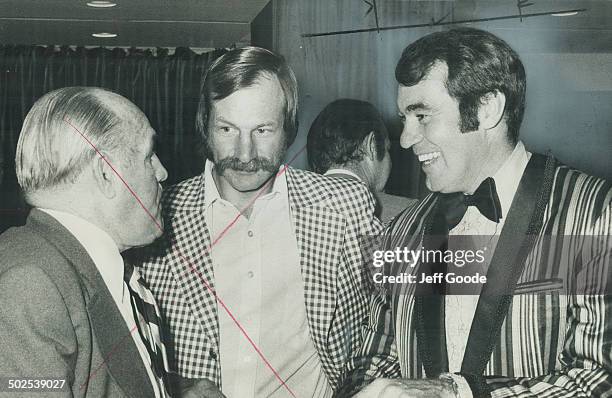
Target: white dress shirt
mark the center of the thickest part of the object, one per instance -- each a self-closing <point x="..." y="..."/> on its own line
<point x="107" y="259"/>
<point x="256" y="265"/>
<point x="460" y="309"/>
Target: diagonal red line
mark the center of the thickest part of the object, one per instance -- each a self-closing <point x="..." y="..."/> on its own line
<point x="91" y="376"/>
<point x="259" y="193"/>
<point x="117" y="174"/>
<point x="192" y="267"/>
<point x="214" y="293"/>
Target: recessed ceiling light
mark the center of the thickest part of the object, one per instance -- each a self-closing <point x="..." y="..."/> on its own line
<point x="104" y="35"/>
<point x="101" y="4"/>
<point x="565" y="14"/>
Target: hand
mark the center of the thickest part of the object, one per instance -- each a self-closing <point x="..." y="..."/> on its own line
<point x="202" y="389"/>
<point x="407" y="388"/>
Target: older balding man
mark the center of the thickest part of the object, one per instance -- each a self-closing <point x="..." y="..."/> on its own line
<point x="70" y="322"/>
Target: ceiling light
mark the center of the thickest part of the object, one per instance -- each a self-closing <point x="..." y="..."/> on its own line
<point x="101" y="4"/>
<point x="104" y="35"/>
<point x="565" y="14"/>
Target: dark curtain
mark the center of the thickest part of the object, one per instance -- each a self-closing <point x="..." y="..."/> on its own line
<point x="165" y="87"/>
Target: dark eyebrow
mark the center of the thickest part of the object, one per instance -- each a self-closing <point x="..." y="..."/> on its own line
<point x="271" y="123"/>
<point x="417" y="107"/>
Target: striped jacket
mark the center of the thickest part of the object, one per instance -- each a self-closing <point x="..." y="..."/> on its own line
<point x="548" y="335"/>
<point x="329" y="216"/>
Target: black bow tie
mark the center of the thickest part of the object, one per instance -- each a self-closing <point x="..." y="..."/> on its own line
<point x="485" y="199"/>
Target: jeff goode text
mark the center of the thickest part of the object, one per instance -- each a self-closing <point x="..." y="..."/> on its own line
<point x="434" y="278"/>
<point x="409" y="258"/>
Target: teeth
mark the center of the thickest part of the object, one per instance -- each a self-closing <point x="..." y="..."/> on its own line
<point x="428" y="157"/>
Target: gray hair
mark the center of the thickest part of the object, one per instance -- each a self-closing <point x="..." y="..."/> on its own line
<point x="62" y="129"/>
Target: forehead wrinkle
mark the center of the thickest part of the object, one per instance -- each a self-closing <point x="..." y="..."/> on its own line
<point x="221" y="119"/>
<point x="417" y="100"/>
<point x="413" y="105"/>
<point x="233" y="113"/>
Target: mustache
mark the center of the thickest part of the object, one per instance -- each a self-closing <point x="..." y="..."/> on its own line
<point x="255" y="164"/>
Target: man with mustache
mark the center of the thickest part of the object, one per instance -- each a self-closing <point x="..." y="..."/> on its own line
<point x="260" y="275"/>
<point x="540" y="325"/>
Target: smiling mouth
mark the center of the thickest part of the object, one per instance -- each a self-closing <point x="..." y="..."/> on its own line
<point x="428" y="158"/>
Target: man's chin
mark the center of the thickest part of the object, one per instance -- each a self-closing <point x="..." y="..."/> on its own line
<point x="243" y="181"/>
<point x="249" y="188"/>
<point x="433" y="184"/>
<point x="146" y="240"/>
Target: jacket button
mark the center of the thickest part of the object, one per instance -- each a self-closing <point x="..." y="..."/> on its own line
<point x="212" y="354"/>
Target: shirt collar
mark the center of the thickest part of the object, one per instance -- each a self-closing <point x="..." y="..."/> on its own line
<point x="509" y="175"/>
<point x="211" y="192"/>
<point x="99" y="245"/>
<point x="342" y="171"/>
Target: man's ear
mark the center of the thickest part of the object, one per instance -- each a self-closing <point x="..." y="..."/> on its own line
<point x="368" y="146"/>
<point x="491" y="109"/>
<point x="103" y="177"/>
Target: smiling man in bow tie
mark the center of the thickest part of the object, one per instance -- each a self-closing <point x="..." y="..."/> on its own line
<point x="525" y="332"/>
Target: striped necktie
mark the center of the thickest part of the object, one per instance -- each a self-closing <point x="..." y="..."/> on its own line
<point x="147" y="315"/>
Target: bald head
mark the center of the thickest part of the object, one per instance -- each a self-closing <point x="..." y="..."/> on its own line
<point x="61" y="130"/>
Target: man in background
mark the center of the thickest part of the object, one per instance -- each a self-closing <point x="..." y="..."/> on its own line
<point x="540" y="325"/>
<point x="70" y="312"/>
<point x="260" y="273"/>
<point x="348" y="139"/>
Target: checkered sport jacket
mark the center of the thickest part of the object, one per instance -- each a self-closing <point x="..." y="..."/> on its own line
<point x="548" y="337"/>
<point x="329" y="216"/>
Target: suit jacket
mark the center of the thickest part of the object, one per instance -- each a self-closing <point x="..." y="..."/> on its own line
<point x="329" y="217"/>
<point x="392" y="205"/>
<point x="538" y="330"/>
<point x="57" y="318"/>
<point x="387" y="206"/>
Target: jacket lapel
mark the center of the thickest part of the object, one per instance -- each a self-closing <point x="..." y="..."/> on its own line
<point x="121" y="357"/>
<point x="192" y="262"/>
<point x="117" y="346"/>
<point x="320" y="235"/>
<point x="429" y="300"/>
<point x="516" y="241"/>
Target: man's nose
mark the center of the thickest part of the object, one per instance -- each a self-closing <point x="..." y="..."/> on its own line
<point x="246" y="147"/>
<point x="410" y="134"/>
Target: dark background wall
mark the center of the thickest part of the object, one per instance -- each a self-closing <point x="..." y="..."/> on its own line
<point x="568" y="61"/>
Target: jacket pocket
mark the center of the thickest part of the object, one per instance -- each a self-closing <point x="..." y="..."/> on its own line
<point x="539" y="286"/>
